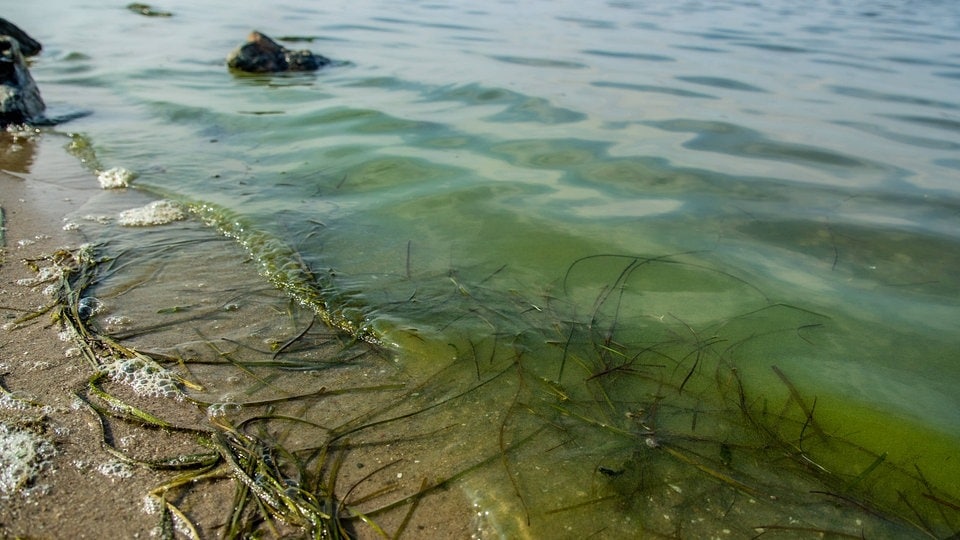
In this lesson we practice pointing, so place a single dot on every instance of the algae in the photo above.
(666, 427)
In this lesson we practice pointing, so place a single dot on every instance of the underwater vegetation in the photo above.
(607, 420)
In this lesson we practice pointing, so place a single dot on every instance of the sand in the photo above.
(68, 496)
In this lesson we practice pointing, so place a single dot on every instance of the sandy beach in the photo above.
(64, 491)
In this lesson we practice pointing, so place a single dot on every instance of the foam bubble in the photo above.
(45, 274)
(98, 219)
(12, 402)
(219, 410)
(115, 469)
(22, 455)
(114, 178)
(151, 505)
(89, 306)
(155, 213)
(117, 320)
(146, 378)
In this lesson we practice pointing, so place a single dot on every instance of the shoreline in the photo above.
(203, 313)
(69, 496)
(81, 489)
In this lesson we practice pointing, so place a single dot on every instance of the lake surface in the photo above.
(640, 241)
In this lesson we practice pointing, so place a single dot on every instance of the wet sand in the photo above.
(68, 497)
(81, 489)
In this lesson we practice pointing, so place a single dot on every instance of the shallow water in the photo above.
(652, 197)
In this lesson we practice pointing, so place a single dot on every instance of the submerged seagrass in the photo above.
(641, 426)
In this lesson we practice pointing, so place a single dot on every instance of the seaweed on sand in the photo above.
(263, 495)
(614, 419)
(286, 467)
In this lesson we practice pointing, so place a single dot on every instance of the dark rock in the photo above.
(20, 101)
(28, 45)
(147, 10)
(260, 54)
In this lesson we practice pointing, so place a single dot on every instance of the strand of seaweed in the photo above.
(656, 394)
(265, 475)
(672, 416)
(670, 421)
(276, 485)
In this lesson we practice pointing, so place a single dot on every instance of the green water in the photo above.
(655, 241)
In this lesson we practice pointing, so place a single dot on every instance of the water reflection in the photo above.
(17, 151)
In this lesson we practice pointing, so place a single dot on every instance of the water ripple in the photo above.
(855, 65)
(929, 121)
(550, 153)
(653, 89)
(539, 62)
(737, 140)
(896, 136)
(775, 47)
(630, 55)
(539, 110)
(589, 23)
(915, 61)
(426, 24)
(519, 107)
(875, 95)
(721, 82)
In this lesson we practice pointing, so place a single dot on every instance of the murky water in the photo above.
(640, 239)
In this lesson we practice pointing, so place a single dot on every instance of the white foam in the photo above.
(22, 455)
(11, 402)
(115, 469)
(117, 320)
(151, 505)
(99, 219)
(155, 213)
(145, 377)
(115, 178)
(45, 274)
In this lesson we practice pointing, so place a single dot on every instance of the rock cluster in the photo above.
(260, 54)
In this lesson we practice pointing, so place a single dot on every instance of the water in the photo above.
(615, 193)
